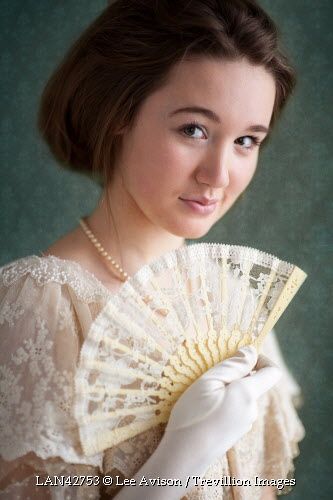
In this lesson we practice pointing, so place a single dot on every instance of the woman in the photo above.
(166, 104)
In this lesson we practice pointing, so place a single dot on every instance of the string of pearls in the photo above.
(110, 260)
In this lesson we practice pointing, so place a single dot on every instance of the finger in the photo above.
(262, 380)
(235, 367)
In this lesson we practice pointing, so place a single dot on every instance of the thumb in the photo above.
(267, 374)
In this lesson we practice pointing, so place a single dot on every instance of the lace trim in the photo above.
(53, 269)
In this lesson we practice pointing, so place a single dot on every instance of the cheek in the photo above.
(167, 157)
(149, 180)
(241, 177)
(159, 169)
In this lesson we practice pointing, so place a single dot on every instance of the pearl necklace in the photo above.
(123, 275)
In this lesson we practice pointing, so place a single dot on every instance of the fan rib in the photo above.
(190, 366)
(164, 407)
(119, 317)
(152, 316)
(194, 353)
(144, 358)
(179, 370)
(262, 300)
(225, 300)
(188, 363)
(241, 304)
(166, 301)
(103, 367)
(109, 391)
(293, 284)
(211, 335)
(175, 376)
(104, 438)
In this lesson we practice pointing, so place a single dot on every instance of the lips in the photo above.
(199, 208)
(202, 200)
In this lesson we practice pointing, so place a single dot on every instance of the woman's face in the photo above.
(196, 137)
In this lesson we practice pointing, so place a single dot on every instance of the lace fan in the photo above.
(176, 318)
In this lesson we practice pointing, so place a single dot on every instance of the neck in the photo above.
(127, 234)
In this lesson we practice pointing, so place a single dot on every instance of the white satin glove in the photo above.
(221, 405)
(205, 422)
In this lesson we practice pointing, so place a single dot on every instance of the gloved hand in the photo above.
(205, 422)
(221, 405)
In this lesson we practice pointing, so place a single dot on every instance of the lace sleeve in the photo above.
(283, 427)
(40, 348)
(272, 349)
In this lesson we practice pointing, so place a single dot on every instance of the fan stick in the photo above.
(211, 347)
(107, 439)
(191, 357)
(194, 352)
(114, 343)
(102, 367)
(117, 316)
(293, 284)
(262, 300)
(163, 407)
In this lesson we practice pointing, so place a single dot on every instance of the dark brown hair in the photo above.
(126, 54)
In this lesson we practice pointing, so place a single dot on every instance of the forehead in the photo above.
(236, 88)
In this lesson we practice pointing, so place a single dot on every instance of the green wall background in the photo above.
(287, 209)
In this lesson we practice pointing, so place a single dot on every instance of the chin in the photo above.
(192, 231)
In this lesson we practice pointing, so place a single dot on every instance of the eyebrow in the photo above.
(213, 116)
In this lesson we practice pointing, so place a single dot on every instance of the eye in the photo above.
(191, 127)
(252, 141)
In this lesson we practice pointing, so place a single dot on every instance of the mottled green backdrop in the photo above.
(287, 210)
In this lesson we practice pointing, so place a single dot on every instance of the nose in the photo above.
(214, 169)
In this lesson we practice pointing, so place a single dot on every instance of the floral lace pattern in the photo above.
(47, 306)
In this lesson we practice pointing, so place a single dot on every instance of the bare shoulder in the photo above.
(76, 247)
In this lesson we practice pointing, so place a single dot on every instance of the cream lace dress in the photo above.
(47, 305)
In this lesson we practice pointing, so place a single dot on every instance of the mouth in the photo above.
(204, 208)
(203, 200)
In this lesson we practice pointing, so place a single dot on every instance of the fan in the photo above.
(176, 318)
